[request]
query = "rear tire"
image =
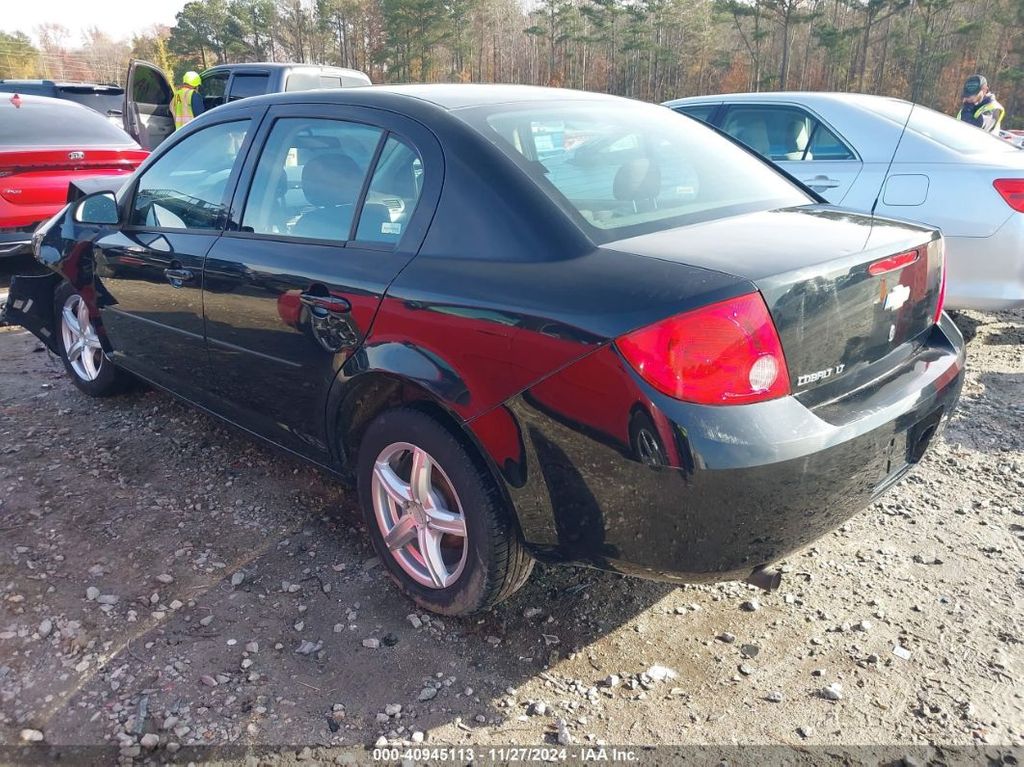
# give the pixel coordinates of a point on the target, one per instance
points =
(80, 350)
(422, 491)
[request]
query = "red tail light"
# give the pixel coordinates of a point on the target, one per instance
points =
(1012, 191)
(727, 353)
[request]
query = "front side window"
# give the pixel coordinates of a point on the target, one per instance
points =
(309, 178)
(149, 86)
(213, 88)
(627, 169)
(186, 187)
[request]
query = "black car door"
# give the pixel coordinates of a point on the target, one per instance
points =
(151, 267)
(332, 206)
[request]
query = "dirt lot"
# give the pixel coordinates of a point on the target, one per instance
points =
(165, 581)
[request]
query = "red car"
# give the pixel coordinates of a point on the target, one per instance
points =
(45, 144)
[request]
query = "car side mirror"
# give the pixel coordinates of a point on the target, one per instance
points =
(97, 208)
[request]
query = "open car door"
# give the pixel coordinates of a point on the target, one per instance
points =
(147, 104)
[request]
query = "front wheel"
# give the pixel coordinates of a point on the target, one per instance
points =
(436, 517)
(80, 347)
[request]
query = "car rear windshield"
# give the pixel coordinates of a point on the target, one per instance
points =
(56, 123)
(104, 101)
(623, 168)
(955, 134)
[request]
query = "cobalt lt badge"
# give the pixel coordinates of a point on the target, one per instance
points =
(76, 155)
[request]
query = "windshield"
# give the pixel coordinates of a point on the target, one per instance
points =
(955, 134)
(624, 168)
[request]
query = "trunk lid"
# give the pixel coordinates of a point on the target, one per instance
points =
(33, 177)
(838, 301)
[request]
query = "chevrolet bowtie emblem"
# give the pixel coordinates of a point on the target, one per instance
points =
(897, 297)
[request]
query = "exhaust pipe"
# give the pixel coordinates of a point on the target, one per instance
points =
(769, 580)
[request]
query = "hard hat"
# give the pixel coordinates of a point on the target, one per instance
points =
(192, 78)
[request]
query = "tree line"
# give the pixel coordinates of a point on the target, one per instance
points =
(646, 49)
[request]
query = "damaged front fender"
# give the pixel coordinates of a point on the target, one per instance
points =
(30, 304)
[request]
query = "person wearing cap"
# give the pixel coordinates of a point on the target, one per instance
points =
(187, 103)
(980, 107)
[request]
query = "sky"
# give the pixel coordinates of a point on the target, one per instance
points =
(117, 18)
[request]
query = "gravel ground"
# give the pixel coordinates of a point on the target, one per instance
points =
(166, 581)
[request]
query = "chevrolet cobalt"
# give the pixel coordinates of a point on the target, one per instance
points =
(527, 324)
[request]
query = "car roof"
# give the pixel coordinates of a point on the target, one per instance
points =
(262, 66)
(446, 96)
(806, 97)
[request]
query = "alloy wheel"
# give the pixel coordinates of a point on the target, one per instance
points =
(649, 449)
(81, 343)
(419, 515)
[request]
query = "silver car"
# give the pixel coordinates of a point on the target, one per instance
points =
(897, 159)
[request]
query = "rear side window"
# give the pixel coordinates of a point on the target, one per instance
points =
(702, 112)
(393, 193)
(783, 134)
(185, 187)
(302, 81)
(309, 178)
(55, 123)
(244, 86)
(330, 82)
(625, 169)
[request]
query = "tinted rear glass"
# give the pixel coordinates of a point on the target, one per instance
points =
(29, 89)
(56, 123)
(244, 86)
(624, 168)
(103, 101)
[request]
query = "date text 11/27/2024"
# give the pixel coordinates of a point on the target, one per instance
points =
(506, 754)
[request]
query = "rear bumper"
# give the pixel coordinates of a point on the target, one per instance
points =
(742, 486)
(987, 273)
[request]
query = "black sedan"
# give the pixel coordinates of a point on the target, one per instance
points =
(528, 324)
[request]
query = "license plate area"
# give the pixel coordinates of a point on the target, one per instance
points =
(920, 435)
(907, 448)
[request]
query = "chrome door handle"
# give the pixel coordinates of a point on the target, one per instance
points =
(332, 304)
(821, 182)
(177, 277)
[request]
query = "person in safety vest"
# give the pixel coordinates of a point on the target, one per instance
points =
(187, 103)
(980, 107)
